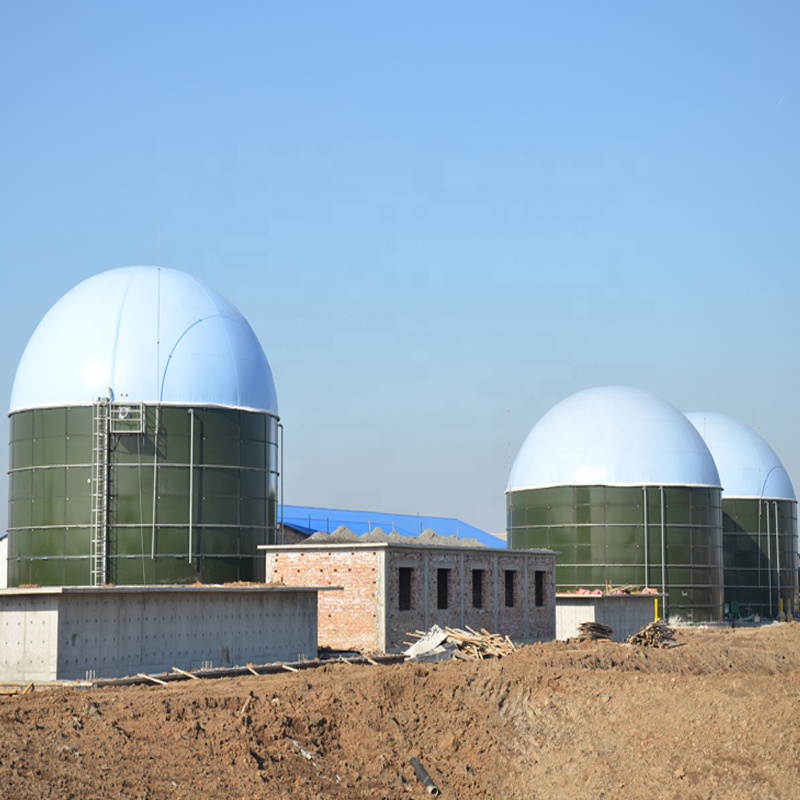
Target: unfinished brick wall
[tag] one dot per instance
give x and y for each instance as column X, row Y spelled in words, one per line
column 523, row 621
column 537, row 623
column 375, row 613
column 400, row 621
column 348, row 620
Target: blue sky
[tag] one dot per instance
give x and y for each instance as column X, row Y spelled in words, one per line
column 440, row 218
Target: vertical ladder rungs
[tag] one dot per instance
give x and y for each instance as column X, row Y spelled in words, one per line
column 99, row 493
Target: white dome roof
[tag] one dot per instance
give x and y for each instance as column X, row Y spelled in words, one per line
column 148, row 335
column 748, row 466
column 613, row 436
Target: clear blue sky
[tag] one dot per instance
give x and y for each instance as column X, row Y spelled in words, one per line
column 440, row 218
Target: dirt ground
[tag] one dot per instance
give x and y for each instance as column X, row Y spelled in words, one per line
column 713, row 718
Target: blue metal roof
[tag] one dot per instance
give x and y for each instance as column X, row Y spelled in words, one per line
column 309, row 520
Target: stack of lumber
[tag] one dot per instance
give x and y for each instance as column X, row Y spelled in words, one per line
column 594, row 632
column 480, row 644
column 656, row 634
column 474, row 645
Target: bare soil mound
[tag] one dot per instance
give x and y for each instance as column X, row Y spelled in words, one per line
column 714, row 717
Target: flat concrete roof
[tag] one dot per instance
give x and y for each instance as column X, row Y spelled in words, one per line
column 411, row 545
column 204, row 589
column 615, row 595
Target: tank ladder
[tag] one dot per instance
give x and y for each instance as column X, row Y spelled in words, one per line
column 99, row 540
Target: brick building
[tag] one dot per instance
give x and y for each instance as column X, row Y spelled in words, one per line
column 393, row 587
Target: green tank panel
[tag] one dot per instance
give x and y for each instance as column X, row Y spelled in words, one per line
column 229, row 458
column 760, row 555
column 616, row 535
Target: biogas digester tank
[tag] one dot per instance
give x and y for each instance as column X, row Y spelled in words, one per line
column 143, row 438
column 759, row 518
column 623, row 487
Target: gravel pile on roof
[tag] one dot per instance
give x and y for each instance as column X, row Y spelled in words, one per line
column 376, row 535
column 341, row 535
column 428, row 538
column 344, row 535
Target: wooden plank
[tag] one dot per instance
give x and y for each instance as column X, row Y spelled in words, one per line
column 151, row 678
column 185, row 673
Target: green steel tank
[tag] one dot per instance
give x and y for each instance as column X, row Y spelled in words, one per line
column 144, row 438
column 759, row 519
column 620, row 484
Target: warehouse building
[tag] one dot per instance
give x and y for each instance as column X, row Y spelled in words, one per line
column 297, row 523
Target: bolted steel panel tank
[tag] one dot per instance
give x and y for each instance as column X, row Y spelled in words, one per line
column 759, row 518
column 620, row 484
column 145, row 448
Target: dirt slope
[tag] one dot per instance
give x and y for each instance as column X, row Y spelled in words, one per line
column 715, row 717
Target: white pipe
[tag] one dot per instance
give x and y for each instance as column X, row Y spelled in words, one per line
column 191, row 479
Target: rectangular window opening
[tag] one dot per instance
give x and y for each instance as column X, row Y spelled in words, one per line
column 404, row 595
column 442, row 588
column 509, row 588
column 477, row 588
column 539, row 588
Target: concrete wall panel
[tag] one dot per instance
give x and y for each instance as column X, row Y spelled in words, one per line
column 625, row 614
column 72, row 634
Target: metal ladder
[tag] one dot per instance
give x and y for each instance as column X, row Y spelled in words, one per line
column 99, row 540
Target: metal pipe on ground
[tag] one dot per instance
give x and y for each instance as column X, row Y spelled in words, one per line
column 425, row 779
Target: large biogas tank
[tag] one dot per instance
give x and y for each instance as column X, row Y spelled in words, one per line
column 759, row 518
column 622, row 486
column 143, row 438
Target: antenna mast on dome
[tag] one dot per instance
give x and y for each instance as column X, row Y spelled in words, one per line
column 158, row 305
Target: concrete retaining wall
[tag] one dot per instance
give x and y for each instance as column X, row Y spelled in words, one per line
column 66, row 633
column 625, row 614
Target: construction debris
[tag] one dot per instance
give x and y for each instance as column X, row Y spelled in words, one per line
column 151, row 679
column 594, row 632
column 656, row 634
column 424, row 778
column 431, row 646
column 440, row 645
